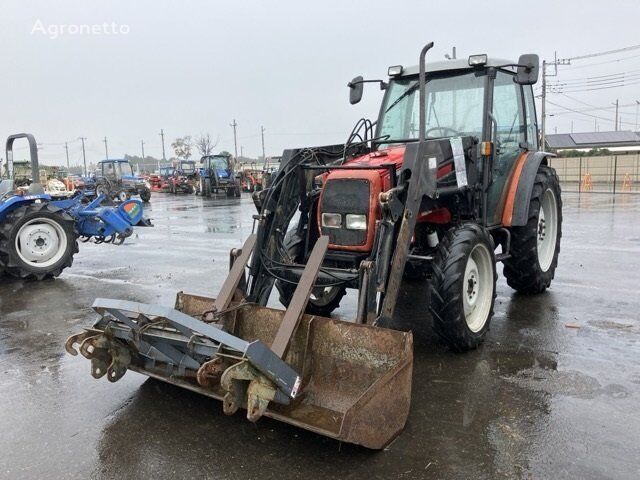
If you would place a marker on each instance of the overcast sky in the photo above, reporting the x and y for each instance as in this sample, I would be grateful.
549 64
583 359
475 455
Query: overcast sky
193 66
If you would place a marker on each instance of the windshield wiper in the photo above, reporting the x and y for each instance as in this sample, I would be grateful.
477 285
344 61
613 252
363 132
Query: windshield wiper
407 92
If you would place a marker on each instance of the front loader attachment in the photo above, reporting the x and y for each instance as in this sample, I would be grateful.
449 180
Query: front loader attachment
348 381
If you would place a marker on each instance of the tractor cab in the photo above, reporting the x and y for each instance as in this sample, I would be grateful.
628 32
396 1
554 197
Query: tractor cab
115 170
167 172
484 107
217 165
186 167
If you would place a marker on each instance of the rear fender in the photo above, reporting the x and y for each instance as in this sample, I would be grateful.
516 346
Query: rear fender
516 208
18 201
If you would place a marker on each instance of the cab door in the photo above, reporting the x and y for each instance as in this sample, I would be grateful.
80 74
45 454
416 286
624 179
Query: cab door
509 142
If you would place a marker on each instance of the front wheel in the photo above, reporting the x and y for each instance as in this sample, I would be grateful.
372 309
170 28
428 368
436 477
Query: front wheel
322 300
103 189
535 246
145 195
463 286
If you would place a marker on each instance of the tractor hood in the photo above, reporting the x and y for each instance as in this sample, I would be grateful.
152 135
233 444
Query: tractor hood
389 155
132 179
223 173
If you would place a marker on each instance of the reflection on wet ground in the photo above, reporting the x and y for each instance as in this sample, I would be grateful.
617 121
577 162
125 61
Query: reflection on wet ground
554 392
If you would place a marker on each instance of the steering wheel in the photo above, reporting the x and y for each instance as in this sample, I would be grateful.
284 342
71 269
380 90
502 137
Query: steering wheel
455 132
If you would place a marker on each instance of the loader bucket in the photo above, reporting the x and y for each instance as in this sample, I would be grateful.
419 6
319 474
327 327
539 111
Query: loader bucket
356 378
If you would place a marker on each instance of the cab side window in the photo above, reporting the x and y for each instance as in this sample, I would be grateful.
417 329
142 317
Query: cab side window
508 111
532 124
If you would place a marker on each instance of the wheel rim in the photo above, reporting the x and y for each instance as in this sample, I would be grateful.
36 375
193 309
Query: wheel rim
41 242
477 287
322 296
547 231
122 196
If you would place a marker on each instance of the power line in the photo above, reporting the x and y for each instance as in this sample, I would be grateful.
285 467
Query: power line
608 52
587 114
618 84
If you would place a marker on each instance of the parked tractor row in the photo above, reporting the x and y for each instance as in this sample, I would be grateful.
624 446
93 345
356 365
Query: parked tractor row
39 233
449 181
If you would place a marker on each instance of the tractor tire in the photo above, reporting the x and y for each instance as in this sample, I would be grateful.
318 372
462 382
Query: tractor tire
237 193
122 196
463 286
103 189
323 301
145 195
535 246
24 236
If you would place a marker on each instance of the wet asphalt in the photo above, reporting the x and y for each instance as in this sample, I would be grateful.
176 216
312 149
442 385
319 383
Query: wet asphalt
553 393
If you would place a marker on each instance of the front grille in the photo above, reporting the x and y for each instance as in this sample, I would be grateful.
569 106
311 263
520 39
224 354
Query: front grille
345 196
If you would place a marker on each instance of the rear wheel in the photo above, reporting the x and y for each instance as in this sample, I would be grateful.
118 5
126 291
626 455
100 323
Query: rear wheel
37 241
536 245
463 286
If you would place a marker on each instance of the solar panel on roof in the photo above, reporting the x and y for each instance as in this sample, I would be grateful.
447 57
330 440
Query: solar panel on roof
605 137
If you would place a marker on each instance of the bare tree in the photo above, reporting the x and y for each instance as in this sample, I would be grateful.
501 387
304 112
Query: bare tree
205 144
182 147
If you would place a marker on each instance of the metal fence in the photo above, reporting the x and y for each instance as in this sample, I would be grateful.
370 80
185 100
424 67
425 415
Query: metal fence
604 174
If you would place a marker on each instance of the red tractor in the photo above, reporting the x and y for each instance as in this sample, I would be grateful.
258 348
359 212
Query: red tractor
449 181
183 179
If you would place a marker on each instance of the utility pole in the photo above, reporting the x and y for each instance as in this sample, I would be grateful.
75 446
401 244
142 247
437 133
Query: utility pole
106 149
142 145
452 56
637 105
84 156
164 157
235 138
555 64
66 148
616 122
264 157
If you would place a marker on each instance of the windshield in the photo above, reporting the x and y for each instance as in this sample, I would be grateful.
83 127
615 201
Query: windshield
453 107
218 163
125 169
188 167
116 169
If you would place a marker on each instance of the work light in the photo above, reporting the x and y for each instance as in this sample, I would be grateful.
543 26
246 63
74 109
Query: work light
477 60
395 70
356 222
331 220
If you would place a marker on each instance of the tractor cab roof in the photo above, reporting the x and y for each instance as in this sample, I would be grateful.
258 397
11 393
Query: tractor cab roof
457 64
114 160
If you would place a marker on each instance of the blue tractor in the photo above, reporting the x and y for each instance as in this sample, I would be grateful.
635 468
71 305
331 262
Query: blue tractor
216 175
115 179
39 236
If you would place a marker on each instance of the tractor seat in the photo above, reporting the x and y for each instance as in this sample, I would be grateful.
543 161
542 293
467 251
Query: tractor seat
36 189
6 186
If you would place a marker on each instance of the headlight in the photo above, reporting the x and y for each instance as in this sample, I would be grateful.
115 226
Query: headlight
331 220
356 222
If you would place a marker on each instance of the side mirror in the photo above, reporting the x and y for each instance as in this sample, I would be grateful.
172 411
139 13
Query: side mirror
356 87
528 67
